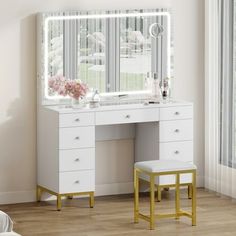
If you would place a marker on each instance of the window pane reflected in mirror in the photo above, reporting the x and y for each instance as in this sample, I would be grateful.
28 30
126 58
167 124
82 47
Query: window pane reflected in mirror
92 53
55 47
135 52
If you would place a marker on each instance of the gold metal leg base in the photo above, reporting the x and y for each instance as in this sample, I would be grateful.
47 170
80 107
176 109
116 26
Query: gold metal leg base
41 189
178 211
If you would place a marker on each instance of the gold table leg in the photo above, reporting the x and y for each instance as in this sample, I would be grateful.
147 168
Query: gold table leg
136 196
91 200
159 193
38 194
58 202
194 206
177 197
152 202
190 191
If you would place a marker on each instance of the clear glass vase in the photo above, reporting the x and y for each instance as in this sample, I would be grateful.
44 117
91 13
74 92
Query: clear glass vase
78 102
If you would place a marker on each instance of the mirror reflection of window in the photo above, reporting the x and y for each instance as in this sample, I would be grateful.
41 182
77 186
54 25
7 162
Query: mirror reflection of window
55 48
55 51
91 53
135 52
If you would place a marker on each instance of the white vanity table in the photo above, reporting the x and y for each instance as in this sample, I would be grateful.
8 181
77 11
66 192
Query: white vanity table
111 51
66 142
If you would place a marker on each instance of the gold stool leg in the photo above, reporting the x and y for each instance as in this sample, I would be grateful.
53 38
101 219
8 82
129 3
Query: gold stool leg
177 197
194 205
136 196
159 193
190 191
38 194
91 200
58 202
152 202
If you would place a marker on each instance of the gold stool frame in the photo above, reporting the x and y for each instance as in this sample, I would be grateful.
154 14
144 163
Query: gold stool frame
178 211
167 186
41 189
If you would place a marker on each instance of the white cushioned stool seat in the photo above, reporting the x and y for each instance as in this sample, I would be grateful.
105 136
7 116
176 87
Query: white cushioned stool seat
158 166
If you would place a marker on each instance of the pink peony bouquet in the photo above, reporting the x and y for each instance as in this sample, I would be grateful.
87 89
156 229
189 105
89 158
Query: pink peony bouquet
67 87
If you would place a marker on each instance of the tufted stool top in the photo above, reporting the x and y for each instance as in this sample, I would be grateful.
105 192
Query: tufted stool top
159 166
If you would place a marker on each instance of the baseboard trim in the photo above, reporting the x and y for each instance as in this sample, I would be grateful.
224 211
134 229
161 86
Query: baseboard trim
30 196
101 190
17 197
115 188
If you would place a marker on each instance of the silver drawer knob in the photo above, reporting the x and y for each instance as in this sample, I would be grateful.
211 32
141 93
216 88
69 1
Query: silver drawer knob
127 116
77 182
77 138
77 159
177 113
177 131
176 152
77 120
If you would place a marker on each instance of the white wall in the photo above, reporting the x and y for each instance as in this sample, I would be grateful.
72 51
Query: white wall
18 81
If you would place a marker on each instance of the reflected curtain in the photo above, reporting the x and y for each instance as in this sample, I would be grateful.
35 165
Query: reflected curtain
220 161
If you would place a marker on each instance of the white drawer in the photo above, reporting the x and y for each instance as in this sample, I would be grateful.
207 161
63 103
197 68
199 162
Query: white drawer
181 151
78 181
176 113
77 137
127 116
76 119
77 159
178 130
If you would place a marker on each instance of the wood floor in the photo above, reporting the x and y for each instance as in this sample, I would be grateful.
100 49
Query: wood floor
113 215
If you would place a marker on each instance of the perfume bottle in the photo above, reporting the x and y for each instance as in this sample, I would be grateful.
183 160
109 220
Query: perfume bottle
148 81
165 89
156 90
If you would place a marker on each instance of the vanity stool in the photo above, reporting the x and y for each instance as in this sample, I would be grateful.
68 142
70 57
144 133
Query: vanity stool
157 168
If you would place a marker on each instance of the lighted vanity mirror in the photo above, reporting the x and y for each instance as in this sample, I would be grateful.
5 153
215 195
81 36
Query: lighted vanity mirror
111 51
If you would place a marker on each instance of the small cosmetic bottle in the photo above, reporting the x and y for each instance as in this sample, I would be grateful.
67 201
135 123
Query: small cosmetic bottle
165 89
148 81
156 91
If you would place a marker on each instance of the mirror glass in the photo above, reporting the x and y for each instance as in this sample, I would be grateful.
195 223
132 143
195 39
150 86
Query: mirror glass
111 51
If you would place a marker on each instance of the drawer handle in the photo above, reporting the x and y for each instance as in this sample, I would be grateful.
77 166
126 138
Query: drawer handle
177 113
176 152
77 138
177 131
77 120
127 116
77 160
77 182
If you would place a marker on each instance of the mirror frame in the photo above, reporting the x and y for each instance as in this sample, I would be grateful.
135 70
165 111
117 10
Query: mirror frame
45 25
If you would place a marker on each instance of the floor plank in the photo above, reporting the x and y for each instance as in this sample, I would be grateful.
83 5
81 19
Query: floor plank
113 215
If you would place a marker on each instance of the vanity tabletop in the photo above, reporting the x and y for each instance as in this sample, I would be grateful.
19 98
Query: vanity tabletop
68 109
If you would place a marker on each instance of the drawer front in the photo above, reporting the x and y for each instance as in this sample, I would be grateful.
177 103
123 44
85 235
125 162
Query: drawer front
181 151
77 159
176 113
178 130
77 119
77 137
127 116
78 181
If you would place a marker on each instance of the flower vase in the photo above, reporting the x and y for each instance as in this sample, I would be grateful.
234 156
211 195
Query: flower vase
77 102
